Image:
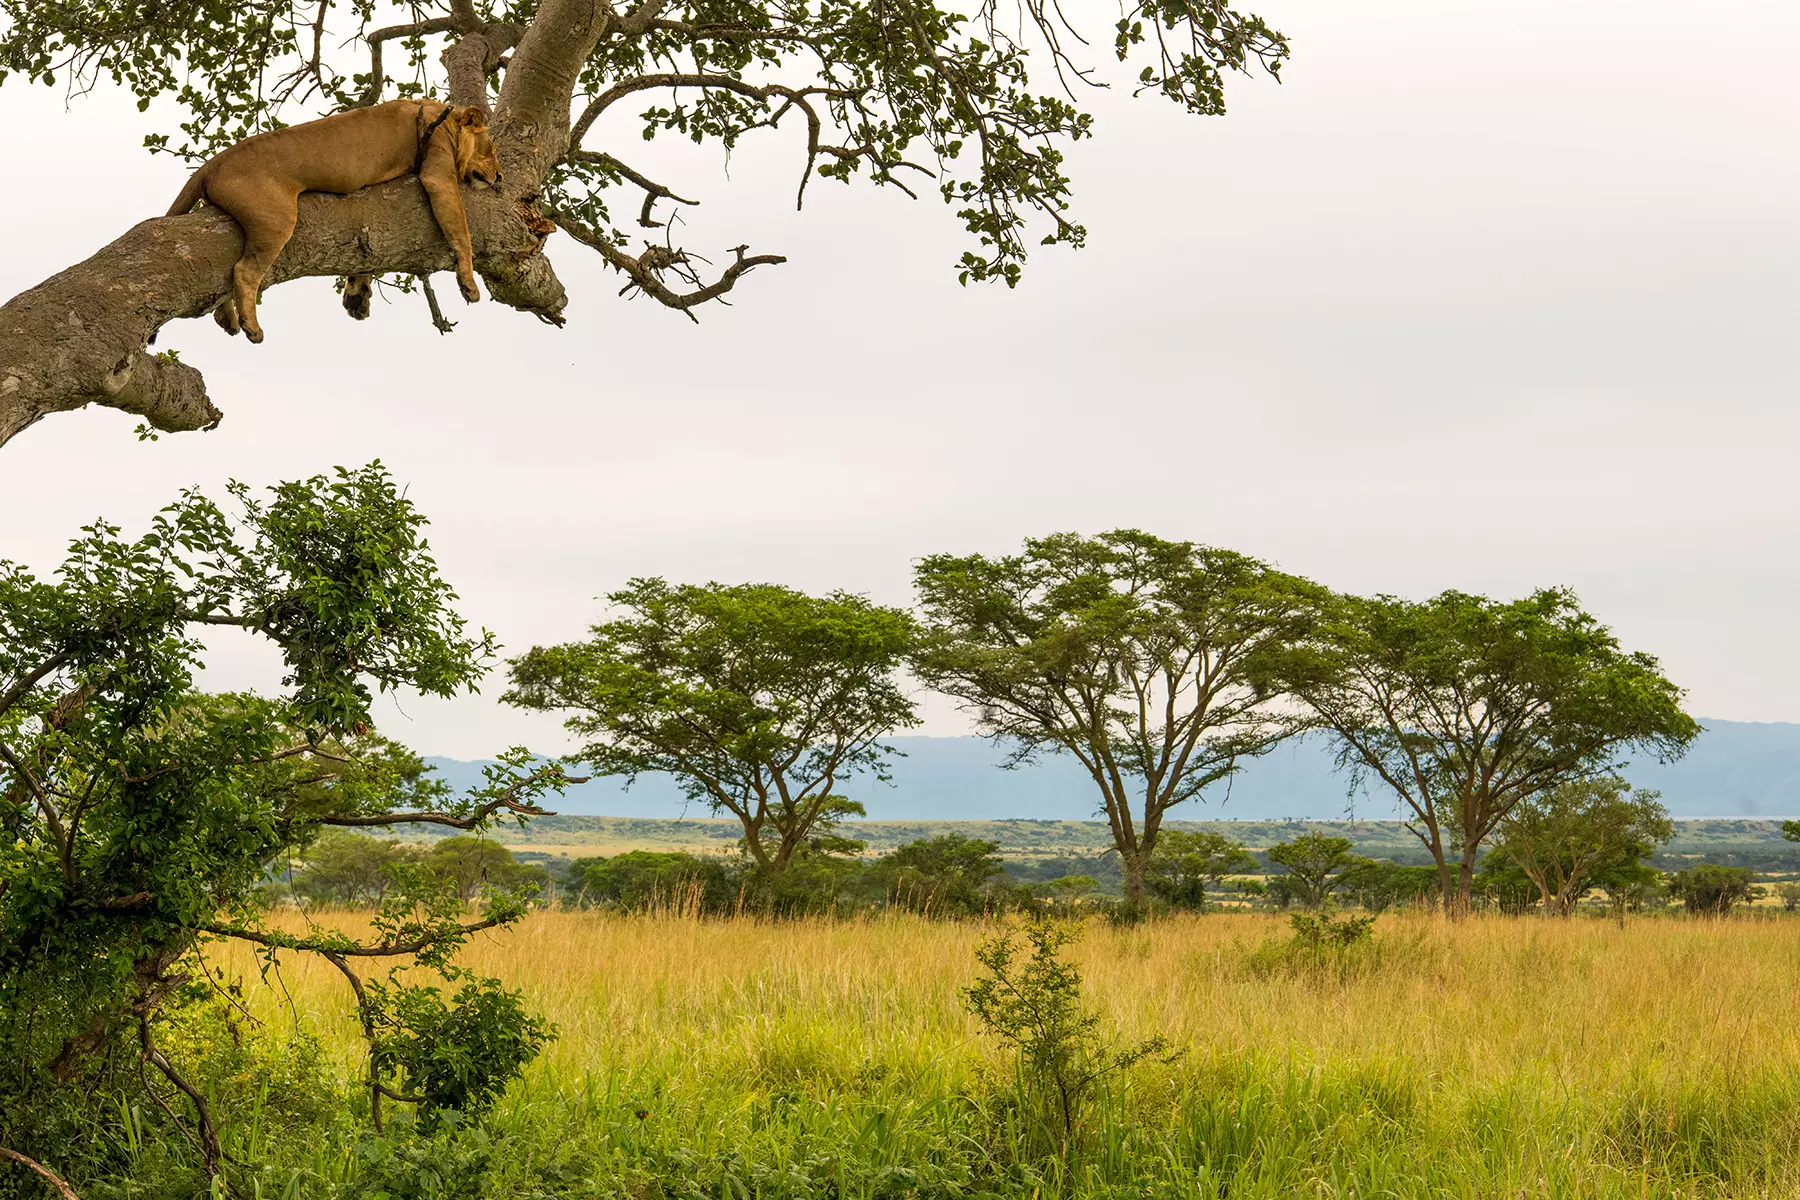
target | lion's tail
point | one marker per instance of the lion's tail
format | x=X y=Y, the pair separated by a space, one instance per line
x=190 y=195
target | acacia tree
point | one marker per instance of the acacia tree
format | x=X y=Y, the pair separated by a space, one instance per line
x=1138 y=656
x=138 y=818
x=758 y=699
x=1317 y=865
x=1568 y=839
x=903 y=94
x=1188 y=861
x=1466 y=707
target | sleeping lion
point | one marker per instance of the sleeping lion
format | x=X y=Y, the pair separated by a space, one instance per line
x=259 y=181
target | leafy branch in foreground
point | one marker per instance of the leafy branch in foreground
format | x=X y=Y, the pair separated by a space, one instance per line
x=139 y=817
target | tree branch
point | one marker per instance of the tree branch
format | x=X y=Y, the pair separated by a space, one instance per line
x=81 y=337
x=56 y=1181
x=645 y=268
x=282 y=941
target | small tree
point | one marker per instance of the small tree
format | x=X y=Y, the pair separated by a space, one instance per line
x=1317 y=865
x=471 y=864
x=350 y=869
x=1187 y=862
x=1036 y=1007
x=1465 y=707
x=759 y=700
x=1714 y=890
x=1569 y=839
x=944 y=875
x=1137 y=656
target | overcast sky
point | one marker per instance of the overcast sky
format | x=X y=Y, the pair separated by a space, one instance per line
x=1485 y=295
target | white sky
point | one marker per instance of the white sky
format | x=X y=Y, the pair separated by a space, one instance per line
x=1485 y=295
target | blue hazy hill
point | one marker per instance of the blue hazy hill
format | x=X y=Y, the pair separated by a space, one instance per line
x=1736 y=769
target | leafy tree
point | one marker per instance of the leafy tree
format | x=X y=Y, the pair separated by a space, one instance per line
x=1567 y=840
x=760 y=700
x=1789 y=894
x=471 y=864
x=1712 y=889
x=641 y=879
x=1317 y=865
x=1138 y=656
x=1465 y=707
x=943 y=875
x=1187 y=862
x=138 y=818
x=351 y=869
x=908 y=97
x=1382 y=884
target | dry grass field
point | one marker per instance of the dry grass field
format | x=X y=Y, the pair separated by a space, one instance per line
x=1497 y=1057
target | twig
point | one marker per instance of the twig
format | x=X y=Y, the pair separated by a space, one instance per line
x=438 y=320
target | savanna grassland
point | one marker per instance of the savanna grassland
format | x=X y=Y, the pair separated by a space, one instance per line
x=1499 y=1057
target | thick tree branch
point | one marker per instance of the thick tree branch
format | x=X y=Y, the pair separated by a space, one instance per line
x=533 y=114
x=80 y=337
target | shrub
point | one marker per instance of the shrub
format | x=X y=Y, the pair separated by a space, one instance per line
x=1036 y=1007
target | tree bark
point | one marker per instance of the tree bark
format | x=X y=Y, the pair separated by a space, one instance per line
x=81 y=337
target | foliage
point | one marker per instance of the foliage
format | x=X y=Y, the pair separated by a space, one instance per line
x=947 y=875
x=759 y=699
x=1187 y=862
x=457 y=1056
x=1036 y=1007
x=1136 y=655
x=1317 y=865
x=139 y=817
x=1465 y=707
x=643 y=880
x=471 y=864
x=1789 y=894
x=1382 y=884
x=345 y=870
x=917 y=94
x=1580 y=834
x=1321 y=946
x=1711 y=889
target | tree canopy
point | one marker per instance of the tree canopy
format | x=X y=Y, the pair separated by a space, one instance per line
x=760 y=700
x=1317 y=865
x=1138 y=656
x=1575 y=836
x=977 y=109
x=1466 y=707
x=138 y=817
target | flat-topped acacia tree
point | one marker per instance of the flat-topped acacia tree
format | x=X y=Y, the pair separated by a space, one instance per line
x=895 y=92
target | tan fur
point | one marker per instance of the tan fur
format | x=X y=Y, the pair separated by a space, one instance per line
x=259 y=181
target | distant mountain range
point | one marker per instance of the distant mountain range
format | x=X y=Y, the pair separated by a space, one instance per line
x=1736 y=769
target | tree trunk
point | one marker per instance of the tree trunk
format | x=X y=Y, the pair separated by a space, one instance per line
x=1135 y=867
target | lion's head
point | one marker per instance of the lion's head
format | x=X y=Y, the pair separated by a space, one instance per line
x=476 y=162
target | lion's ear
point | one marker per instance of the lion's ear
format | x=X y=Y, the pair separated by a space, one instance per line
x=471 y=116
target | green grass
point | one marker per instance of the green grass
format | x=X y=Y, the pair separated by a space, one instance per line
x=1496 y=1058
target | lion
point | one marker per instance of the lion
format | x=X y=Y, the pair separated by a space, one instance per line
x=259 y=181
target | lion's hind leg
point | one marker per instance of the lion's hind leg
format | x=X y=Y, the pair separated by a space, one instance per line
x=226 y=314
x=267 y=216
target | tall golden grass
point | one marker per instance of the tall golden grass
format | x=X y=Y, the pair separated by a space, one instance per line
x=1628 y=1048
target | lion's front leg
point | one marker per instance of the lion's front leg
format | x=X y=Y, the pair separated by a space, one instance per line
x=445 y=194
